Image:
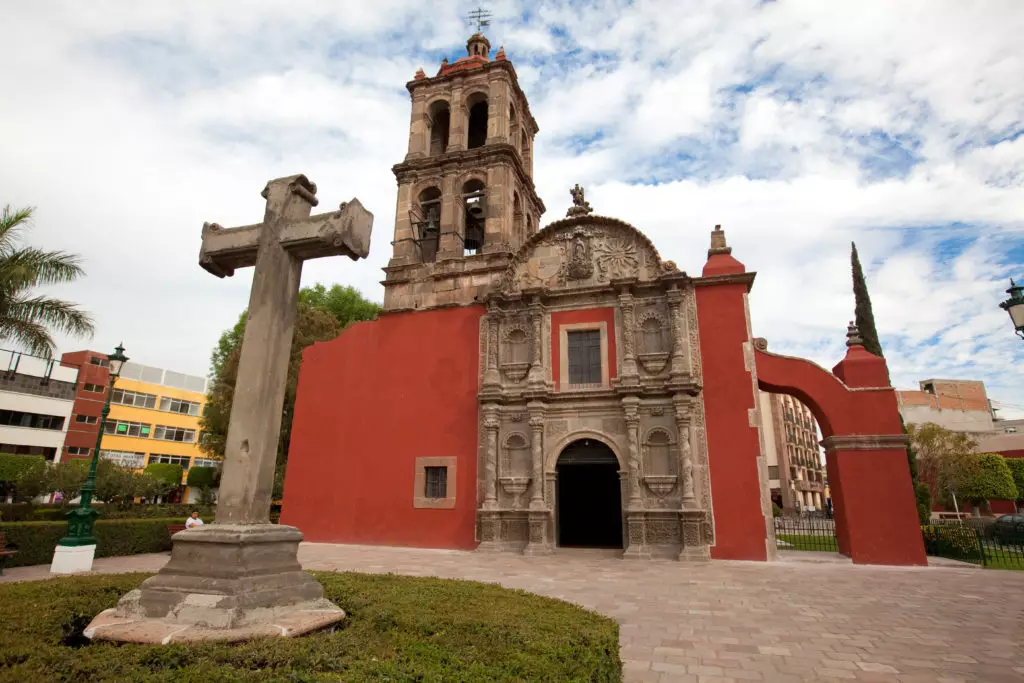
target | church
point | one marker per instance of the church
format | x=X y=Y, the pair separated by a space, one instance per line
x=531 y=388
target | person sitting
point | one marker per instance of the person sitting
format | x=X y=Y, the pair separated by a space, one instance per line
x=193 y=520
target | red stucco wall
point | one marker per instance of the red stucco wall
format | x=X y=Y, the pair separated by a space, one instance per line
x=588 y=315
x=369 y=403
x=733 y=445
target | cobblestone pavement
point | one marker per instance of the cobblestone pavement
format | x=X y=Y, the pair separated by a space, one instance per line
x=741 y=621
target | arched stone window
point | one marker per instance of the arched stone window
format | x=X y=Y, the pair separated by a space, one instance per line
x=516 y=459
x=474 y=196
x=513 y=127
x=658 y=451
x=439 y=122
x=476 y=105
x=428 y=223
x=518 y=218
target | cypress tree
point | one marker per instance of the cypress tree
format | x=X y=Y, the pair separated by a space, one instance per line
x=866 y=324
x=864 y=315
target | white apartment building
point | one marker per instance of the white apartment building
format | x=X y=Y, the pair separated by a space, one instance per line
x=36 y=400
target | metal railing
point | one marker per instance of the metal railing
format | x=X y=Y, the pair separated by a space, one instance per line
x=806 y=532
x=978 y=541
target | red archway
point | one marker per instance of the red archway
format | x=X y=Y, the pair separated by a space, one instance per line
x=872 y=494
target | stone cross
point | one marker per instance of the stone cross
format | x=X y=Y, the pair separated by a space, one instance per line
x=276 y=247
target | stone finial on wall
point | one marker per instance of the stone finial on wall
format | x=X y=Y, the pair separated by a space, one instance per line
x=853 y=337
x=718 y=244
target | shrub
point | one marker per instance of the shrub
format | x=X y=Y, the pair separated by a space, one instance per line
x=959 y=542
x=165 y=472
x=923 y=495
x=776 y=510
x=23 y=512
x=203 y=476
x=35 y=541
x=1016 y=466
x=396 y=629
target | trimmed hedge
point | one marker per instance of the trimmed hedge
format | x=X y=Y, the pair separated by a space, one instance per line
x=166 y=472
x=397 y=629
x=986 y=476
x=23 y=512
x=35 y=541
x=200 y=476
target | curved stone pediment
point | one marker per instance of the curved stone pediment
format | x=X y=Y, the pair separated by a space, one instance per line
x=584 y=251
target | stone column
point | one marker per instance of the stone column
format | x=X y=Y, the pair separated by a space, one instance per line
x=682 y=415
x=636 y=518
x=629 y=369
x=492 y=378
x=537 y=460
x=536 y=377
x=458 y=121
x=630 y=406
x=679 y=364
x=450 y=246
x=491 y=424
x=539 y=513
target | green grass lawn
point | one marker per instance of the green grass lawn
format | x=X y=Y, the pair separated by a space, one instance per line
x=808 y=542
x=397 y=629
x=1001 y=558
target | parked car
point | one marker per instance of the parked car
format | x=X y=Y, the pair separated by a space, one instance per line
x=1009 y=529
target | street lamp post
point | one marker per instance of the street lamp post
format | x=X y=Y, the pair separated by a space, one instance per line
x=75 y=552
x=1015 y=307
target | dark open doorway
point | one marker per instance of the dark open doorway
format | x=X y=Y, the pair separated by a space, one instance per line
x=589 y=498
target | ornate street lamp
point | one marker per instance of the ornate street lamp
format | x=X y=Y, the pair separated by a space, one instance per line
x=1015 y=307
x=75 y=552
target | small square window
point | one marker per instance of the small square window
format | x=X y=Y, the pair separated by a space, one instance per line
x=437 y=482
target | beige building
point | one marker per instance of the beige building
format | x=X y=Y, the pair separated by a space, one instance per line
x=959 y=405
x=796 y=471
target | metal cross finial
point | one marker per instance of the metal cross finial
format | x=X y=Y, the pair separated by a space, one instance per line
x=482 y=18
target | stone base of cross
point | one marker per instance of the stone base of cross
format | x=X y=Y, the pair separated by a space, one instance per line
x=240 y=577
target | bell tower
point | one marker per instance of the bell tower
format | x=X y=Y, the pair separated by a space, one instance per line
x=466 y=198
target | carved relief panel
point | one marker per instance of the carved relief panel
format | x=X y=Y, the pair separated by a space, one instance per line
x=516 y=348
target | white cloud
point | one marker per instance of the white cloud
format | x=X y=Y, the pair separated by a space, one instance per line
x=796 y=125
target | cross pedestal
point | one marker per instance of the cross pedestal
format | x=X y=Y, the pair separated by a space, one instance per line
x=240 y=577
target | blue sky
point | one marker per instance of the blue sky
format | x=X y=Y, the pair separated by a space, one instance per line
x=798 y=126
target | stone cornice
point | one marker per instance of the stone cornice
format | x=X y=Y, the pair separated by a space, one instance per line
x=865 y=442
x=417 y=168
x=739 y=278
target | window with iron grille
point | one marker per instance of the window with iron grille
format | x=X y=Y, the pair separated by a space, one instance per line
x=773 y=471
x=584 y=356
x=437 y=482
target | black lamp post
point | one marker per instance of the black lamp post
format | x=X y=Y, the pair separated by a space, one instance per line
x=82 y=518
x=1015 y=307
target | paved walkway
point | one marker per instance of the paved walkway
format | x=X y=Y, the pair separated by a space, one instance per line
x=794 y=620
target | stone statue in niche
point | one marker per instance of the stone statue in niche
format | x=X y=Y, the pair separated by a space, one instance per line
x=579 y=265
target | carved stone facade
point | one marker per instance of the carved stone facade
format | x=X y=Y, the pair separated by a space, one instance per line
x=649 y=412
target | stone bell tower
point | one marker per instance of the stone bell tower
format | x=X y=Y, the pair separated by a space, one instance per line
x=466 y=199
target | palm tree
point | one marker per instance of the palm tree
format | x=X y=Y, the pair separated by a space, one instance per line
x=26 y=319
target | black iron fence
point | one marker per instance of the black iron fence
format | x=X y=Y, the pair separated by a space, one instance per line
x=979 y=541
x=806 y=532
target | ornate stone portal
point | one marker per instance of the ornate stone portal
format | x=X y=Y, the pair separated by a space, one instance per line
x=239 y=577
x=580 y=274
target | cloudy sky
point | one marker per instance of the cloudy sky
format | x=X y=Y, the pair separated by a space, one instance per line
x=797 y=125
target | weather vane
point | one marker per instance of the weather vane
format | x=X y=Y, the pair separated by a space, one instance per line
x=482 y=18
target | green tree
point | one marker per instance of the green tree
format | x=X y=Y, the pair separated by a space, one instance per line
x=28 y=319
x=939 y=455
x=983 y=477
x=1016 y=466
x=321 y=316
x=204 y=479
x=115 y=485
x=33 y=481
x=923 y=496
x=166 y=477
x=67 y=477
x=865 y=316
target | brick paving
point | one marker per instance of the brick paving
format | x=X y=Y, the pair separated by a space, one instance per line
x=791 y=620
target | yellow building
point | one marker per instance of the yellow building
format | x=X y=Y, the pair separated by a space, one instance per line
x=154 y=417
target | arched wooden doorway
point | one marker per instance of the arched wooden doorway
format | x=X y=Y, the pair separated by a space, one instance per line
x=588 y=500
